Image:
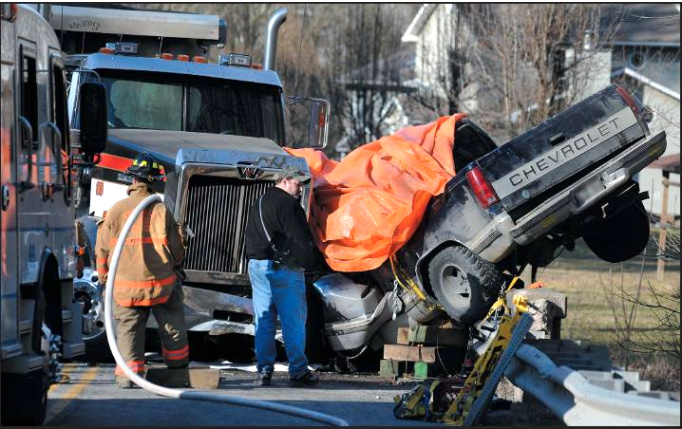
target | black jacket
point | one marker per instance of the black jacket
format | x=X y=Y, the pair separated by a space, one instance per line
x=286 y=223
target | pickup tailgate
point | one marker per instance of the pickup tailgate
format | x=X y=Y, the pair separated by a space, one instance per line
x=578 y=139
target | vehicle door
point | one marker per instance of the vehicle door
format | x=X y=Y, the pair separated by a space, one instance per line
x=9 y=244
x=32 y=224
x=58 y=150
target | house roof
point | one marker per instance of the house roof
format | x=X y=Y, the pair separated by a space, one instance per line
x=645 y=80
x=639 y=24
x=395 y=73
x=417 y=24
x=655 y=25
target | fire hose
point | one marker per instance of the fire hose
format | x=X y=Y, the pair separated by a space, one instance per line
x=181 y=393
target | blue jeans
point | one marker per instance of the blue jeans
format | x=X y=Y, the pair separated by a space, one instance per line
x=278 y=289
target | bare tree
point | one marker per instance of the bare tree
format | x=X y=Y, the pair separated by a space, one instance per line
x=661 y=302
x=364 y=73
x=513 y=65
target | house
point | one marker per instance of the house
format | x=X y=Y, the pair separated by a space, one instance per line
x=646 y=59
x=643 y=54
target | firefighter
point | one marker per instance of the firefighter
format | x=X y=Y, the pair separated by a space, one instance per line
x=147 y=276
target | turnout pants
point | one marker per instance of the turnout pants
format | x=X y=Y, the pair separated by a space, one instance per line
x=130 y=330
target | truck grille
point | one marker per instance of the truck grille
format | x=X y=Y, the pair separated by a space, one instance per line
x=217 y=212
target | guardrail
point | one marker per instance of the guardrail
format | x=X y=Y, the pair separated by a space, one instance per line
x=578 y=398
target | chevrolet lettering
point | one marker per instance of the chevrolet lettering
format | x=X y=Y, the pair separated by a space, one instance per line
x=562 y=153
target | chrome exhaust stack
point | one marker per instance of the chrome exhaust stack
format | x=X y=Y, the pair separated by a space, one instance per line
x=276 y=21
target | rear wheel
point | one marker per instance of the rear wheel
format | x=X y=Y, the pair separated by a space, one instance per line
x=24 y=396
x=464 y=284
x=620 y=237
x=315 y=343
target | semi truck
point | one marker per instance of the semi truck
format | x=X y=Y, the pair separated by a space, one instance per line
x=41 y=320
x=216 y=125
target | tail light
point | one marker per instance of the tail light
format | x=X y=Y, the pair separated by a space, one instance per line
x=634 y=106
x=106 y=51
x=8 y=11
x=485 y=194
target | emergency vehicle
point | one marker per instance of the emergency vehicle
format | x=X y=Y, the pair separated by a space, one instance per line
x=40 y=318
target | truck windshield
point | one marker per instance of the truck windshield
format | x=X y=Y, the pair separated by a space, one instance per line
x=181 y=103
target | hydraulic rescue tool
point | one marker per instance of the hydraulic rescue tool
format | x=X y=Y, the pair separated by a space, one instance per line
x=468 y=394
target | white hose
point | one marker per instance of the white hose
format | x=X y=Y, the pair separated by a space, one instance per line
x=180 y=393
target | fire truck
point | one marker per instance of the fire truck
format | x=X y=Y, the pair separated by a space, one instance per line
x=216 y=125
x=40 y=318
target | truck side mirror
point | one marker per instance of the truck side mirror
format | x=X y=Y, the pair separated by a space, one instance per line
x=318 y=123
x=307 y=122
x=93 y=118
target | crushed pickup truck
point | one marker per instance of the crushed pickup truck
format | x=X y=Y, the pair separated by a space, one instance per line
x=569 y=177
x=506 y=208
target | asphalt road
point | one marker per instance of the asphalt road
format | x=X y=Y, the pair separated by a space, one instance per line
x=91 y=398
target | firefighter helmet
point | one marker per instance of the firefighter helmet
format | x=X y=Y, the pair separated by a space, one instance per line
x=146 y=167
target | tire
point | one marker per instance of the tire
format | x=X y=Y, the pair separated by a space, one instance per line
x=620 y=237
x=97 y=349
x=315 y=341
x=463 y=283
x=24 y=398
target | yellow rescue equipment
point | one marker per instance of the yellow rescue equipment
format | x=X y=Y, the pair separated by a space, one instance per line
x=480 y=383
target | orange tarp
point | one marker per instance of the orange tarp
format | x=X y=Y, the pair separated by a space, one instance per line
x=369 y=204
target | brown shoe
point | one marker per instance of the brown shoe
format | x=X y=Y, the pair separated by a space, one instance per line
x=309 y=378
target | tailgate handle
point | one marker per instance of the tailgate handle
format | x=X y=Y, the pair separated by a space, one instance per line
x=555 y=140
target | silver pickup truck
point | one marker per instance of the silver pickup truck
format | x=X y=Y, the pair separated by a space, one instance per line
x=514 y=205
x=508 y=207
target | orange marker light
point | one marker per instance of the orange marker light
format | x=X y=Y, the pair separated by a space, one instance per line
x=199 y=59
x=106 y=51
x=166 y=56
x=182 y=57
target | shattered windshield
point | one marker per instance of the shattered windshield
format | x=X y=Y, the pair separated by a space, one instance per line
x=203 y=105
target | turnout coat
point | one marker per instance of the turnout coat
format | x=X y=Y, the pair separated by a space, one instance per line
x=146 y=273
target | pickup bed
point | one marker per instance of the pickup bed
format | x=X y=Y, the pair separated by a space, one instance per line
x=516 y=204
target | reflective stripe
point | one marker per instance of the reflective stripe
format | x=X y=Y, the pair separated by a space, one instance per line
x=141 y=302
x=170 y=280
x=180 y=354
x=140 y=240
x=136 y=365
x=101 y=261
x=102 y=271
x=114 y=162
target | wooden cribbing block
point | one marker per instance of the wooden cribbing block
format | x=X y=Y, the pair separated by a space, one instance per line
x=410 y=353
x=433 y=336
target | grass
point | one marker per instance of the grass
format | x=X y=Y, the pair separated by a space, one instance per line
x=590 y=282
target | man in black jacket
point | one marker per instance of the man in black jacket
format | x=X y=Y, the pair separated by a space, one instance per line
x=279 y=246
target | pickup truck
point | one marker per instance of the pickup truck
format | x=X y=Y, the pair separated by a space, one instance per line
x=514 y=205
x=508 y=207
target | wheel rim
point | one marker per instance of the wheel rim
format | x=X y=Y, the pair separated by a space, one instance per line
x=456 y=287
x=90 y=294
